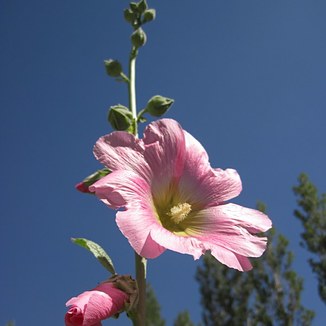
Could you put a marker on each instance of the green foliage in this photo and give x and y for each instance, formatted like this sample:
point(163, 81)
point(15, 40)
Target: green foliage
point(153, 310)
point(10, 323)
point(267, 295)
point(183, 319)
point(99, 253)
point(312, 214)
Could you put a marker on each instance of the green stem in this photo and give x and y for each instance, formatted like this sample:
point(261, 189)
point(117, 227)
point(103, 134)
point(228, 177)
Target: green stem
point(132, 88)
point(140, 263)
point(139, 314)
point(124, 78)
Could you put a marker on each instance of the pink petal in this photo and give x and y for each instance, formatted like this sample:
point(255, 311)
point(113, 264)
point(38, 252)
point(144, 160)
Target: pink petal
point(181, 244)
point(136, 225)
point(195, 151)
point(90, 307)
point(164, 152)
point(202, 184)
point(122, 188)
point(229, 226)
point(251, 219)
point(231, 259)
point(122, 151)
point(129, 190)
point(99, 307)
point(204, 187)
point(104, 302)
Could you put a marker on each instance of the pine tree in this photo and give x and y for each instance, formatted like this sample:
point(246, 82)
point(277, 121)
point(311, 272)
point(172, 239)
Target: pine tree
point(312, 214)
point(269, 294)
point(183, 319)
point(153, 310)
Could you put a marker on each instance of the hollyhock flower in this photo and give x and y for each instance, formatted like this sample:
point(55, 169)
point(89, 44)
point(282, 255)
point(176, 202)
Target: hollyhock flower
point(173, 199)
point(90, 307)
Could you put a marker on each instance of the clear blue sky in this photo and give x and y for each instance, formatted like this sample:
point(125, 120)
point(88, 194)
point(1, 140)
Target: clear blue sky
point(248, 79)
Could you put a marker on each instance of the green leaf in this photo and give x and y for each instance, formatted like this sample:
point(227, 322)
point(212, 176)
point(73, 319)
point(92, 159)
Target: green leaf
point(97, 251)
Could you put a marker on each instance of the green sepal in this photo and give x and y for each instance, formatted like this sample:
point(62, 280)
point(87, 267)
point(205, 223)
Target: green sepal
point(140, 116)
point(129, 15)
point(120, 117)
point(88, 181)
point(113, 67)
point(129, 286)
point(138, 38)
point(142, 6)
point(97, 251)
point(141, 119)
point(158, 105)
point(149, 15)
point(133, 6)
point(99, 174)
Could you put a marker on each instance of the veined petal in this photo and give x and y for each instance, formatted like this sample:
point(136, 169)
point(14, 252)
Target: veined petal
point(205, 187)
point(128, 190)
point(164, 152)
point(229, 226)
point(182, 244)
point(251, 219)
point(98, 307)
point(121, 188)
point(104, 302)
point(202, 184)
point(90, 307)
point(195, 151)
point(120, 150)
point(231, 259)
point(136, 226)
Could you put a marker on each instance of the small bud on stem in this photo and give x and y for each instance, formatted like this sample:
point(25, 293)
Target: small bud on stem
point(138, 38)
point(149, 15)
point(120, 117)
point(158, 105)
point(113, 67)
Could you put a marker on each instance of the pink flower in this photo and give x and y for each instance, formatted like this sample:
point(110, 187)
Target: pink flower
point(90, 307)
point(173, 199)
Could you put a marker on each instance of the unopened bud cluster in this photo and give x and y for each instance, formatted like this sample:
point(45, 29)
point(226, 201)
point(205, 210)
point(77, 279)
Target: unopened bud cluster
point(138, 14)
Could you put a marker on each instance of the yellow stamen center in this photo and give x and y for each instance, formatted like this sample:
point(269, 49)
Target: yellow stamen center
point(179, 212)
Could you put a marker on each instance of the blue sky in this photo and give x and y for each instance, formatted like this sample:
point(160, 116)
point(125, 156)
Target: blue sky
point(248, 79)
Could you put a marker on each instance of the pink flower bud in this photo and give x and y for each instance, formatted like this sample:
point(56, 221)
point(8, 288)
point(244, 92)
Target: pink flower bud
point(91, 307)
point(82, 187)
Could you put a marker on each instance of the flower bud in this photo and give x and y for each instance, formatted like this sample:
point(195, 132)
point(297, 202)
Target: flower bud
point(113, 67)
point(83, 186)
point(142, 6)
point(108, 299)
point(158, 105)
point(133, 6)
point(129, 286)
point(129, 15)
point(120, 117)
point(138, 38)
point(149, 15)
